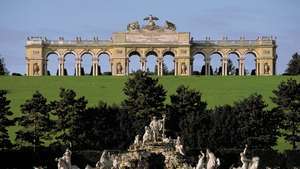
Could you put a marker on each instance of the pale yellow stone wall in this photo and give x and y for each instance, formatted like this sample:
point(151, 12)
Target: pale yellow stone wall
point(124, 43)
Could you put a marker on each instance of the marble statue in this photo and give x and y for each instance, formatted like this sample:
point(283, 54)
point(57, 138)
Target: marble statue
point(64, 162)
point(105, 161)
point(248, 163)
point(137, 140)
point(156, 126)
point(212, 162)
point(147, 135)
point(115, 162)
point(200, 164)
point(179, 146)
point(244, 159)
point(119, 68)
point(36, 69)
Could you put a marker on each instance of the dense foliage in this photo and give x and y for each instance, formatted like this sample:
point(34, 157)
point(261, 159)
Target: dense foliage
point(35, 122)
point(294, 65)
point(187, 117)
point(247, 121)
point(4, 120)
point(287, 99)
point(144, 98)
point(68, 109)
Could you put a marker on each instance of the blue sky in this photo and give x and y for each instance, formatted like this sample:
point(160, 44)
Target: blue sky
point(88, 18)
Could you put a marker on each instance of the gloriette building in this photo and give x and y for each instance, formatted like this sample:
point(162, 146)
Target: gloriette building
point(150, 39)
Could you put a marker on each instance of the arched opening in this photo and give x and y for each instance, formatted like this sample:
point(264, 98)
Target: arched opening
point(250, 64)
point(104, 66)
point(199, 64)
point(233, 64)
point(86, 64)
point(151, 63)
point(168, 63)
point(52, 64)
point(216, 64)
point(69, 64)
point(134, 62)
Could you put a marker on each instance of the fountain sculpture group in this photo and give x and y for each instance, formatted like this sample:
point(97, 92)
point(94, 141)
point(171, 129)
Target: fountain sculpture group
point(155, 142)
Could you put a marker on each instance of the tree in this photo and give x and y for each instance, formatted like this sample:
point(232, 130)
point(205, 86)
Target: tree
point(287, 99)
point(3, 69)
point(67, 110)
point(294, 65)
point(257, 126)
point(187, 117)
point(246, 122)
point(4, 121)
point(144, 98)
point(103, 127)
point(35, 122)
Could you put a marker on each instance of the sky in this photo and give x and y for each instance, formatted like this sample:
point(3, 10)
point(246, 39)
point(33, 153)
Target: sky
point(88, 18)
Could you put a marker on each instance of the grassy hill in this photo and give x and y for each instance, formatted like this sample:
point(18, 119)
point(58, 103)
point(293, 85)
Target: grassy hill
point(216, 90)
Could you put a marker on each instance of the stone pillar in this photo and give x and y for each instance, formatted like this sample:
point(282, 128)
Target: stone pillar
point(126, 66)
point(257, 69)
point(143, 64)
point(78, 67)
point(61, 67)
point(159, 66)
point(241, 66)
point(175, 67)
point(207, 66)
point(95, 66)
point(224, 66)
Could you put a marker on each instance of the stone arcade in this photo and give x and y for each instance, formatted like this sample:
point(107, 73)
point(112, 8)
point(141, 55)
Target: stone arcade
point(150, 39)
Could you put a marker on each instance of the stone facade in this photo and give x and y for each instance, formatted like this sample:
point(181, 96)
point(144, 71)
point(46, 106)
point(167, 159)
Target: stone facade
point(154, 40)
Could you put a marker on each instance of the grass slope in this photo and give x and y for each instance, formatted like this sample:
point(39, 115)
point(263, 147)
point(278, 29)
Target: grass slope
point(216, 90)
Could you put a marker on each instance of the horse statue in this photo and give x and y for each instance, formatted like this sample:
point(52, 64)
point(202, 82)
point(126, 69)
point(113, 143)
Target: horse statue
point(133, 26)
point(170, 26)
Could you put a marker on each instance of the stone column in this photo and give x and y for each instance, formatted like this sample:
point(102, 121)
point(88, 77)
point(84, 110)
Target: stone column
point(159, 66)
point(61, 67)
point(257, 69)
point(207, 65)
point(143, 64)
point(95, 66)
point(126, 66)
point(78, 67)
point(175, 67)
point(224, 66)
point(27, 68)
point(241, 66)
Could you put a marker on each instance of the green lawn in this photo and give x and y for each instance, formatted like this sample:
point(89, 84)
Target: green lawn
point(216, 90)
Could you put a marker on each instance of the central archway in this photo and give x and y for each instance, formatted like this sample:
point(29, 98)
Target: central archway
point(151, 63)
